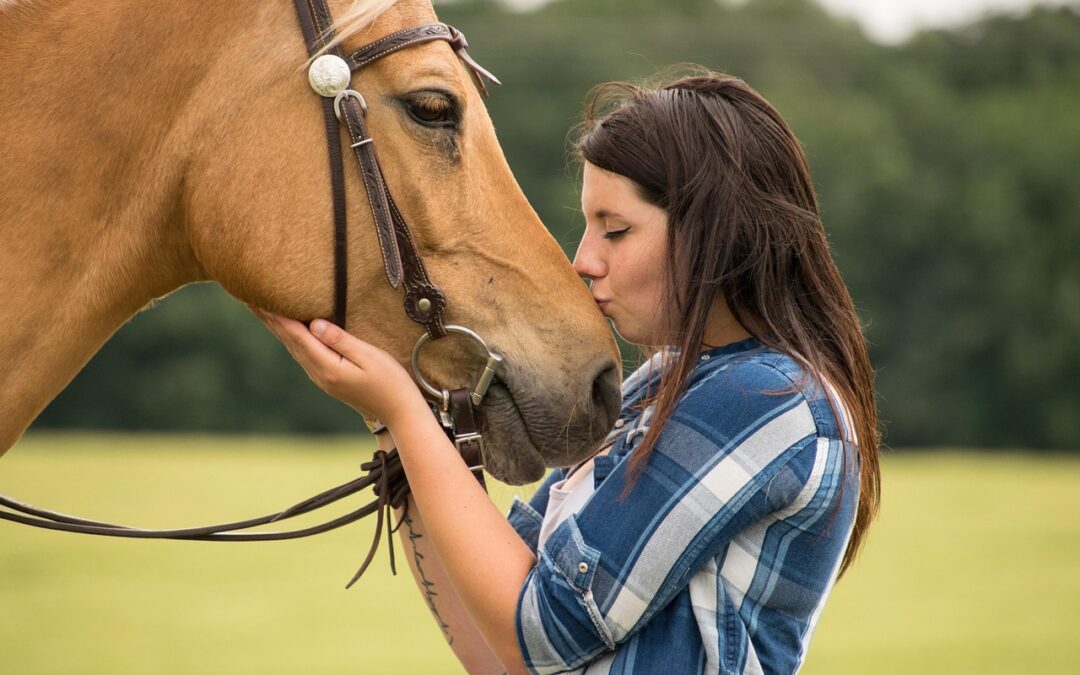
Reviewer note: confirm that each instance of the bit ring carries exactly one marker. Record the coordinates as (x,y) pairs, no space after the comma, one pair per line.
(477,395)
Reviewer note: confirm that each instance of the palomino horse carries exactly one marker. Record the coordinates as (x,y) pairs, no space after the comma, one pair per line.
(147,147)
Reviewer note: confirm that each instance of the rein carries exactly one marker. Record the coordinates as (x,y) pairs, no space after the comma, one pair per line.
(329,76)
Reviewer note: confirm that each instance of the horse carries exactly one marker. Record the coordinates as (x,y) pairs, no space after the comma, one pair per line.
(148,147)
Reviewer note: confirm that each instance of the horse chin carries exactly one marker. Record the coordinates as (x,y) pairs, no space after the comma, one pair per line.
(510,454)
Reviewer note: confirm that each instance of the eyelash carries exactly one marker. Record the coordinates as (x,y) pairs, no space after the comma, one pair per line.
(616,234)
(435,110)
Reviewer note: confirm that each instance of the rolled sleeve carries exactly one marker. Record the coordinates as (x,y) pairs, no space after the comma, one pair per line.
(526,521)
(559,626)
(527,517)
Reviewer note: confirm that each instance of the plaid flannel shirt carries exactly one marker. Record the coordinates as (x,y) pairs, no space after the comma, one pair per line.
(722,557)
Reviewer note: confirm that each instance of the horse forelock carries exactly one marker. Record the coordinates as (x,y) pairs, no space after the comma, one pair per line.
(359,16)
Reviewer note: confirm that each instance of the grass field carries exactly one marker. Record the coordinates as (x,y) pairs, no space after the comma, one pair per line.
(972,567)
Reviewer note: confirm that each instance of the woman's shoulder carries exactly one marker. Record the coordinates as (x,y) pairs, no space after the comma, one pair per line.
(763,382)
(758,369)
(747,380)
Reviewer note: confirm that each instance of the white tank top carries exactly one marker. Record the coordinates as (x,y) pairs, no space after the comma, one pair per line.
(562,503)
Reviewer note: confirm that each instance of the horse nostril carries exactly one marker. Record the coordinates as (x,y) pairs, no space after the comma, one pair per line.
(606,393)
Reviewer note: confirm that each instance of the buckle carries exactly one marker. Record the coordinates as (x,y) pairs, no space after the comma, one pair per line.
(466,439)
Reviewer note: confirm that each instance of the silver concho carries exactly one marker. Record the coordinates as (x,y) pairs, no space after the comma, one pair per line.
(329,75)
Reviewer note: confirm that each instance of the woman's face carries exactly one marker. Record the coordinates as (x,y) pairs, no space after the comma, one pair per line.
(622,255)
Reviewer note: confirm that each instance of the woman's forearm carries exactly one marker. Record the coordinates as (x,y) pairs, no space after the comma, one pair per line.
(487,569)
(453,620)
(442,600)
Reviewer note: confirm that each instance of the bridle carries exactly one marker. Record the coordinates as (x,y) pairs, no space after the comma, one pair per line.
(329,74)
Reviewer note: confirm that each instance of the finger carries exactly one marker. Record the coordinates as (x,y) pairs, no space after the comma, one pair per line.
(324,366)
(349,346)
(303,344)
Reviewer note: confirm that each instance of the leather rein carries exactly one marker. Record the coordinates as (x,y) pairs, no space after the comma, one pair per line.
(329,74)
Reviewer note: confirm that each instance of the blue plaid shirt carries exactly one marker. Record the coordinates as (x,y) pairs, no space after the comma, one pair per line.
(722,556)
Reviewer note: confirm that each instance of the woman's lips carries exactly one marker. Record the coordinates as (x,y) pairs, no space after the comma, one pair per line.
(602,304)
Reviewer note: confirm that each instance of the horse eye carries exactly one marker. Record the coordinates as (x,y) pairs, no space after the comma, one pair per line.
(432,110)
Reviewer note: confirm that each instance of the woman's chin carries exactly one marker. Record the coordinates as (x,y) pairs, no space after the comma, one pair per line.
(627,335)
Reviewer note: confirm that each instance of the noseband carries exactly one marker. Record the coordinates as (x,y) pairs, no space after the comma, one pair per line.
(329,74)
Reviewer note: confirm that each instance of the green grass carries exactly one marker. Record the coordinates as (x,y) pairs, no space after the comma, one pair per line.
(972,567)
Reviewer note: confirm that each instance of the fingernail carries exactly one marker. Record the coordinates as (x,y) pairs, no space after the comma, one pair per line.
(318,326)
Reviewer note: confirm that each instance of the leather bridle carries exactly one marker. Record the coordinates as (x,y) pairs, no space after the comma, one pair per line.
(329,74)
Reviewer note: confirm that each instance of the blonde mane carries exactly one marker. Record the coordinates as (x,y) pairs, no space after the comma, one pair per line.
(11,4)
(359,16)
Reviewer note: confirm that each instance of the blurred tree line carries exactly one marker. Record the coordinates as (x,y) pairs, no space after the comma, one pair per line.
(947,169)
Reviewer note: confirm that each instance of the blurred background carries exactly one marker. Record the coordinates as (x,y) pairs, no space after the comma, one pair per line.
(947,168)
(944,141)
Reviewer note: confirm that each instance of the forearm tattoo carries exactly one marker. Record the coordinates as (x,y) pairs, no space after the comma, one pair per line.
(429,586)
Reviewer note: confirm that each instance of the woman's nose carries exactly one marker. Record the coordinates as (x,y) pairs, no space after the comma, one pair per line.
(587,263)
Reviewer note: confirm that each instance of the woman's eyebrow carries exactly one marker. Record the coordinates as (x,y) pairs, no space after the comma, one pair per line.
(604,213)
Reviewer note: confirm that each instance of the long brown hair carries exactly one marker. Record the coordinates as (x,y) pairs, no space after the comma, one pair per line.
(743,227)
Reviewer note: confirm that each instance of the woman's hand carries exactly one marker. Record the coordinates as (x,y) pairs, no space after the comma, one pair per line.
(357,373)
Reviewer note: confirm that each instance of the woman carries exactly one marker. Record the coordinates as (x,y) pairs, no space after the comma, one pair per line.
(742,475)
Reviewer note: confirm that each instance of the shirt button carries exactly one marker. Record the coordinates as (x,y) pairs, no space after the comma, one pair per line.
(704,357)
(583,567)
(619,423)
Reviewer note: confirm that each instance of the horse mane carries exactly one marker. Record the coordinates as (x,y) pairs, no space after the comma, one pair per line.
(358,17)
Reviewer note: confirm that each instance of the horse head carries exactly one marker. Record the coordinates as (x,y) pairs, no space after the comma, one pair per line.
(260,221)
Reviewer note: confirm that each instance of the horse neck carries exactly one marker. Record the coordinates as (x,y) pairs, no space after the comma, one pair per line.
(94,155)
